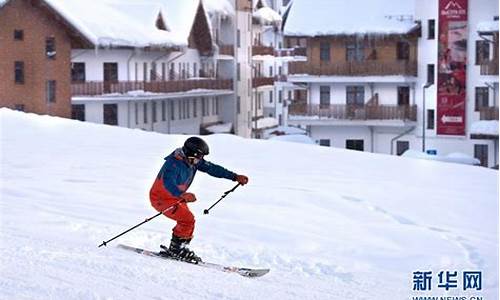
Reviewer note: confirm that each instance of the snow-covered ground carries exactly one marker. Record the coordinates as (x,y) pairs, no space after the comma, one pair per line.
(329,223)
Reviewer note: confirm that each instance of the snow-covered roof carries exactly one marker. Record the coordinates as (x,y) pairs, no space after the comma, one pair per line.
(340,17)
(484,127)
(455,157)
(179,16)
(222,7)
(267,122)
(267,16)
(220,128)
(489,26)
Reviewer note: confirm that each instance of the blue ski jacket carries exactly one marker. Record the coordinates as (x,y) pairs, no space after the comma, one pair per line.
(177,174)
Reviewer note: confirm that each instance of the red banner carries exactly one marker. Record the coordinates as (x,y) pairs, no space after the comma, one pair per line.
(452,61)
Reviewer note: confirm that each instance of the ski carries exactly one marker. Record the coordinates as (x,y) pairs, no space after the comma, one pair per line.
(246,272)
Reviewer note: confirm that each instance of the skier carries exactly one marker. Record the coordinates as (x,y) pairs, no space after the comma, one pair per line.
(171,185)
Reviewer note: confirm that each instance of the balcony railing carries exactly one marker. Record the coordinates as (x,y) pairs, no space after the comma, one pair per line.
(226,50)
(489,68)
(299,51)
(488,113)
(354,112)
(94,88)
(362,68)
(262,50)
(261,81)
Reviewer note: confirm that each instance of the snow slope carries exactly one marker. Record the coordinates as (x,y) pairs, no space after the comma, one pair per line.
(330,223)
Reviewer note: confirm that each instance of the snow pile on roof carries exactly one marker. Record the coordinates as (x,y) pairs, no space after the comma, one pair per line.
(489,26)
(267,16)
(130,24)
(460,158)
(220,128)
(282,130)
(294,138)
(267,122)
(484,127)
(222,7)
(338,17)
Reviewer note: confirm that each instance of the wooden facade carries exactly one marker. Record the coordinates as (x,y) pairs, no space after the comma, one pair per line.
(347,55)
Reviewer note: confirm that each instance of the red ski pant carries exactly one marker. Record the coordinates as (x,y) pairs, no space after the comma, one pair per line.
(161,199)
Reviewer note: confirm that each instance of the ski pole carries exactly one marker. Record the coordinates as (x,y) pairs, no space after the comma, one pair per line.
(223,196)
(104,243)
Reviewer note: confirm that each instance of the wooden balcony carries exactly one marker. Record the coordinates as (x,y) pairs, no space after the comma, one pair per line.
(354,112)
(489,68)
(262,50)
(94,88)
(488,113)
(226,50)
(364,68)
(261,81)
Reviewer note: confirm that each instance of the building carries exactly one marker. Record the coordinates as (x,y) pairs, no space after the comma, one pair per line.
(360,74)
(406,77)
(35,55)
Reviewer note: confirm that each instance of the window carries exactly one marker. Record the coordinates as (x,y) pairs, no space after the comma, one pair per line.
(136,107)
(324,142)
(172,113)
(324,51)
(402,146)
(270,71)
(280,96)
(145,71)
(163,111)
(18,34)
(355,95)
(238,71)
(324,96)
(430,73)
(50,91)
(195,70)
(481,153)
(179,110)
(163,71)
(403,50)
(145,112)
(153,109)
(430,119)
(77,72)
(50,48)
(270,96)
(482,97)
(238,105)
(355,51)
(19,107)
(111,114)
(482,52)
(431,29)
(19,72)
(78,112)
(195,108)
(238,38)
(355,145)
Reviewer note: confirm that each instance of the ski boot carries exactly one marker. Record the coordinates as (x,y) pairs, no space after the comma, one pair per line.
(178,250)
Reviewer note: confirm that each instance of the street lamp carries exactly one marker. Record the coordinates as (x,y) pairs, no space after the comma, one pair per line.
(424,86)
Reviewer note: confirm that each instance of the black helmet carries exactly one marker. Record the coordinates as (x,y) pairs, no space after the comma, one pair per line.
(195,147)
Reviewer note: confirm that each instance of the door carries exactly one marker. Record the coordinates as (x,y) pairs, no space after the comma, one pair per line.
(110,114)
(403,95)
(110,75)
(481,153)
